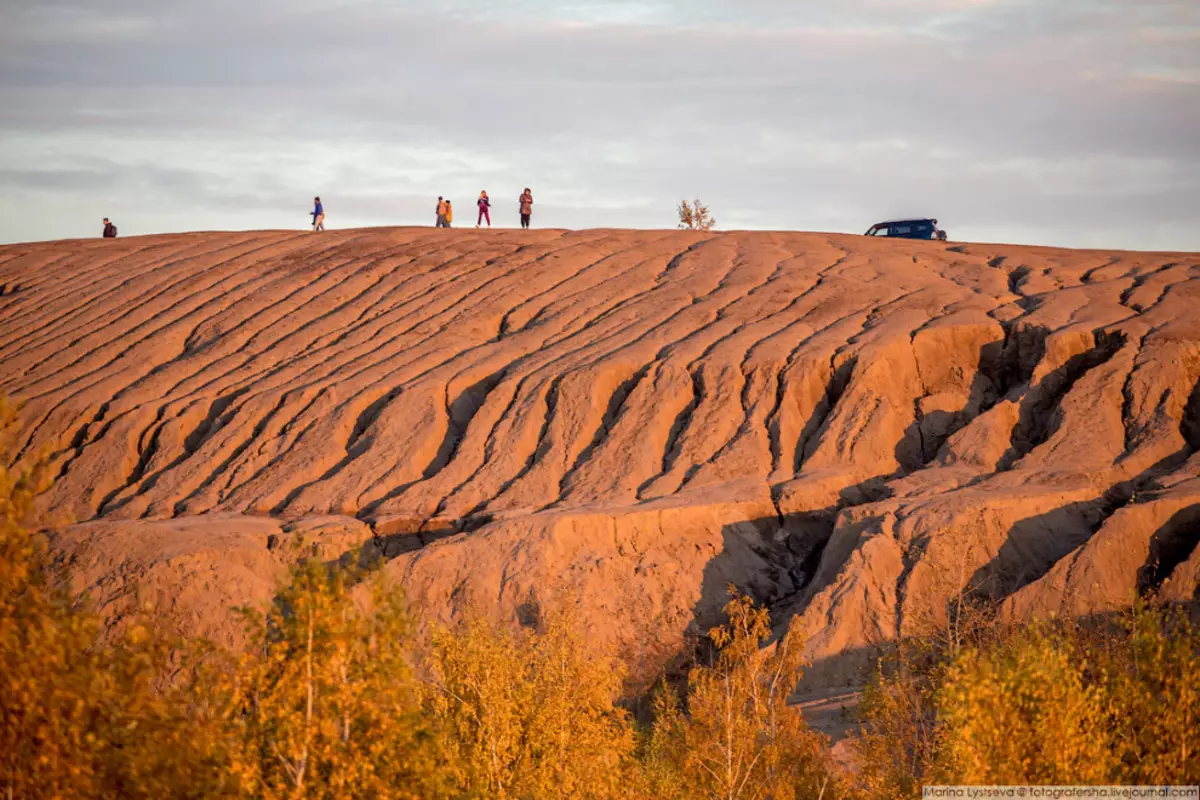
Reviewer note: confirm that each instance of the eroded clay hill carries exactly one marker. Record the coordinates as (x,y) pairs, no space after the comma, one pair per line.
(854,430)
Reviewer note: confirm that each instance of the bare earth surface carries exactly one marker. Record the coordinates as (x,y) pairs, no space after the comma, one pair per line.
(853,430)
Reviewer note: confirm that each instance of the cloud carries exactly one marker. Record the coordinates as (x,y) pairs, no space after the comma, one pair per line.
(1076,124)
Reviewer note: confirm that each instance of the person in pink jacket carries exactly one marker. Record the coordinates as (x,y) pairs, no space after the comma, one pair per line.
(484,209)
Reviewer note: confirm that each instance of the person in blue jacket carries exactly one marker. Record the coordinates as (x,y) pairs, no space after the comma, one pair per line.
(318,215)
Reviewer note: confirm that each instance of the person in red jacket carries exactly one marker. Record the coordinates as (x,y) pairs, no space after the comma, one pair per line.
(484,209)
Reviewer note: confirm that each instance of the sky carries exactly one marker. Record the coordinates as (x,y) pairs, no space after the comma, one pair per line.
(1060,122)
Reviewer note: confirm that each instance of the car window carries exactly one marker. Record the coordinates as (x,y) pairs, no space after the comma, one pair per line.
(899,230)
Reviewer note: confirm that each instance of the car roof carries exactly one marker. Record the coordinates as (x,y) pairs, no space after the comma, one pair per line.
(906,219)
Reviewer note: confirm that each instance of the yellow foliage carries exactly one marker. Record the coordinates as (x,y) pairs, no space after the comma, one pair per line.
(897,743)
(739,739)
(1025,713)
(1073,705)
(528,713)
(324,704)
(78,719)
(1153,688)
(897,747)
(1048,704)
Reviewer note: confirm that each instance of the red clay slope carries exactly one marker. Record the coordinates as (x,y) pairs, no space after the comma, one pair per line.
(851,429)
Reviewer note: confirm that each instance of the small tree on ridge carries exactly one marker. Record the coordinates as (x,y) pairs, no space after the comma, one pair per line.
(695,216)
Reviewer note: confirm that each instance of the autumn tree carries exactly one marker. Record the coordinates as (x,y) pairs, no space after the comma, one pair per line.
(80,717)
(1064,704)
(1043,720)
(528,712)
(1153,689)
(324,703)
(1055,703)
(896,746)
(899,744)
(695,216)
(738,738)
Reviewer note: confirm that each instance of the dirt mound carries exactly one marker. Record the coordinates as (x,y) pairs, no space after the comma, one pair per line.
(854,430)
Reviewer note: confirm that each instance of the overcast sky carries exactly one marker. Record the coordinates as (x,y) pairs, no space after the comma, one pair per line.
(1070,122)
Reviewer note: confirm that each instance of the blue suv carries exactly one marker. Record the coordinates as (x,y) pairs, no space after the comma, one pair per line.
(908,229)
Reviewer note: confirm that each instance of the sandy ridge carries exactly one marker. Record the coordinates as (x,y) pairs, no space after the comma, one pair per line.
(853,429)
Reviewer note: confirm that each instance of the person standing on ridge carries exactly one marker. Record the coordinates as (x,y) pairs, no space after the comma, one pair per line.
(110,230)
(449,214)
(484,206)
(318,215)
(525,201)
(441,213)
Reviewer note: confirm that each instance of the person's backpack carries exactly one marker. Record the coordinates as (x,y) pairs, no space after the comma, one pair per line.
(114,231)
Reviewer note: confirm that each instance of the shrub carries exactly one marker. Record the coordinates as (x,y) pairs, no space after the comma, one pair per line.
(80,719)
(695,216)
(1026,712)
(898,744)
(738,737)
(1152,681)
(324,704)
(528,713)
(896,747)
(1051,703)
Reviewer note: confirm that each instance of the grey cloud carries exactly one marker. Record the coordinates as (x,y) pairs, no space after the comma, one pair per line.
(1031,119)
(580,81)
